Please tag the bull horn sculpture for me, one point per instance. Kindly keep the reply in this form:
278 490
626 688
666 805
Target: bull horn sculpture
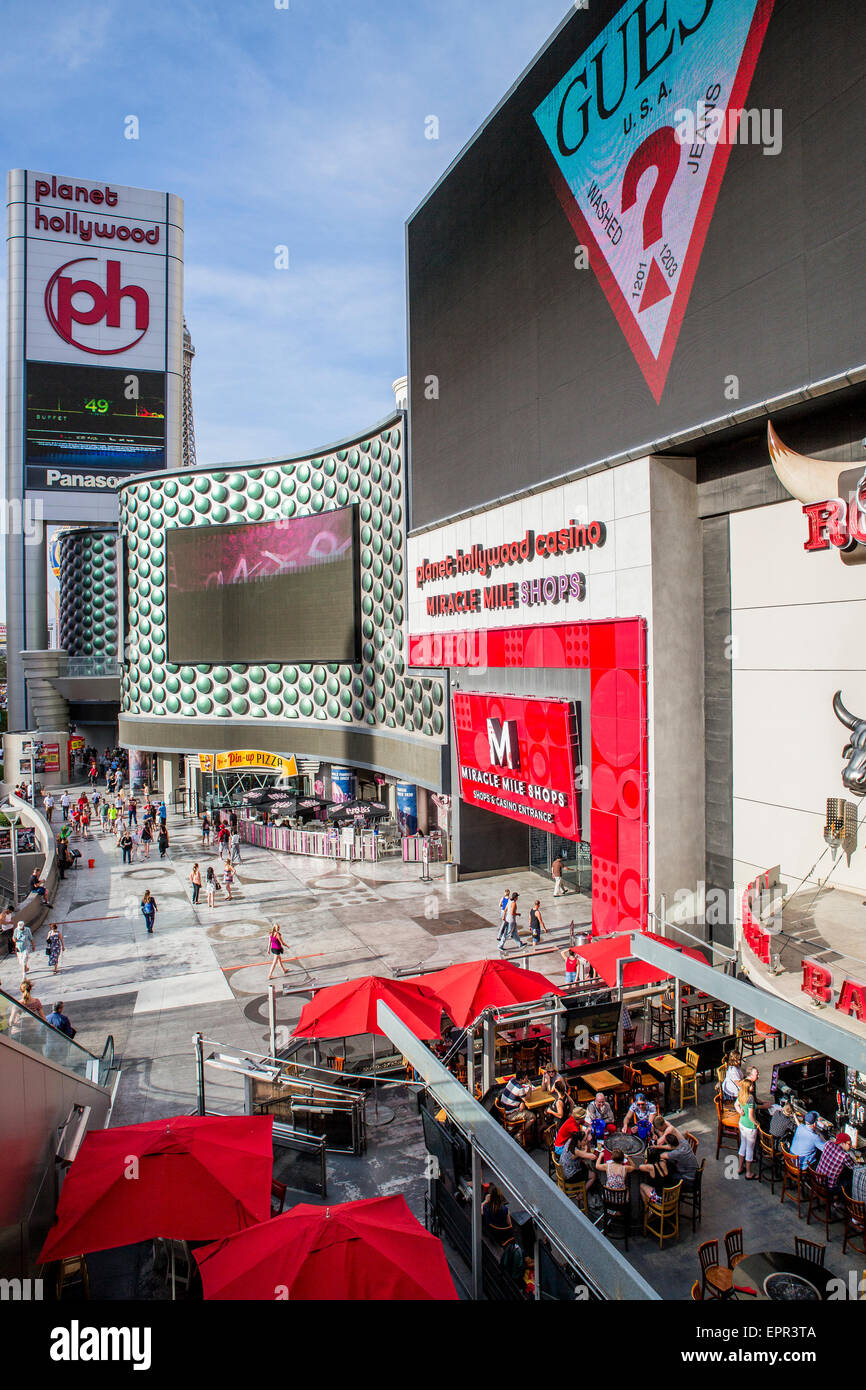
807 479
842 714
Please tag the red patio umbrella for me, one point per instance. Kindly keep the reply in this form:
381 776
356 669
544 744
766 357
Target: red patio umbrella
604 953
467 989
366 1251
349 1010
193 1177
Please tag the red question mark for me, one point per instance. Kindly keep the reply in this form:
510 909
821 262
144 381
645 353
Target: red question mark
660 151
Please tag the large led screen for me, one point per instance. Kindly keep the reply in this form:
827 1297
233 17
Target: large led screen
95 420
268 591
661 225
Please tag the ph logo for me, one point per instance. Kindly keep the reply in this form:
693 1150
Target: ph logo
502 741
105 304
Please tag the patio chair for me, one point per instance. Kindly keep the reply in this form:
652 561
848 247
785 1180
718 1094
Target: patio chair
855 1225
715 1277
662 1218
809 1250
616 1206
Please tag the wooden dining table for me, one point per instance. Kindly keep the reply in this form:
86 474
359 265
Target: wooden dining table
665 1066
601 1081
538 1098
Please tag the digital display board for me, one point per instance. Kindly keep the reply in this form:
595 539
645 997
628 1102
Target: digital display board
637 242
520 759
286 590
84 420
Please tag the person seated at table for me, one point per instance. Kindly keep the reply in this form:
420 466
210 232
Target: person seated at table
807 1142
639 1117
599 1114
680 1162
783 1123
514 1094
664 1137
559 1111
752 1078
616 1169
574 1125
733 1077
549 1077
495 1218
513 1100
836 1164
573 1160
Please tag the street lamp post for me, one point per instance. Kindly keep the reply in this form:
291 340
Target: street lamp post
12 817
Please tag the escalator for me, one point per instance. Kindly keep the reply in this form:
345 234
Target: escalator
52 1092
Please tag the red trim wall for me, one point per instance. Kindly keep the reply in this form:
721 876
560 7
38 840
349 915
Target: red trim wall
615 653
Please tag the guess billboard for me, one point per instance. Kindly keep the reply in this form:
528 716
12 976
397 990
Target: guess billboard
521 759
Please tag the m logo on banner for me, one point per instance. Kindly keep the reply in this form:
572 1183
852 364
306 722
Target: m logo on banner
502 739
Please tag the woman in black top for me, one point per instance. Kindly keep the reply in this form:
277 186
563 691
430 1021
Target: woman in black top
495 1217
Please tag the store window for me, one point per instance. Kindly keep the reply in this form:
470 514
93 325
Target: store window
576 859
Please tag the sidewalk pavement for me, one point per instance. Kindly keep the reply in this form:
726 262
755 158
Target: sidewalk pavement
205 969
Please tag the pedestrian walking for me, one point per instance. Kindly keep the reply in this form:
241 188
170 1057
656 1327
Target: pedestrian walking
146 838
195 880
54 946
511 916
65 803
126 846
162 840
536 923
205 830
228 880
222 840
236 848
503 911
149 910
556 870
57 1018
84 821
29 1000
49 808
163 813
132 808
212 883
23 939
276 947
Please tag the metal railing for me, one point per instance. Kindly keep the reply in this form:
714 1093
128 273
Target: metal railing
29 1030
91 666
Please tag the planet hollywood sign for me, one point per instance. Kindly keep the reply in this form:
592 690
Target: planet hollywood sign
528 593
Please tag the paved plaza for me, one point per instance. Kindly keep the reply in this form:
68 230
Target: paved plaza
205 969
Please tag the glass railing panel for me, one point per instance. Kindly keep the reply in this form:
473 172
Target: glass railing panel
30 1031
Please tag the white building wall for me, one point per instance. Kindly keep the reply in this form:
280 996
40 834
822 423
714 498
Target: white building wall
798 620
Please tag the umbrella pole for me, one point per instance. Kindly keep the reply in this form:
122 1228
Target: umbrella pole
172 1273
375 1080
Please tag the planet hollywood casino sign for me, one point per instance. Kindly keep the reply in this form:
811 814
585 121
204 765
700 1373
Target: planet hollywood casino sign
489 561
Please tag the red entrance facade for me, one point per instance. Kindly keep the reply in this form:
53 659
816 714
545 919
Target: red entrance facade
615 654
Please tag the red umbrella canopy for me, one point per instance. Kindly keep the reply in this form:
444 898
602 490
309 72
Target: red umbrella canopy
348 1010
366 1251
192 1177
467 989
603 955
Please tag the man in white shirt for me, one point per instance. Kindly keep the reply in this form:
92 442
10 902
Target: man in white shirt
65 803
49 808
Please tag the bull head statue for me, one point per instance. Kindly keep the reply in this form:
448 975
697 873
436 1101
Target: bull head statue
854 775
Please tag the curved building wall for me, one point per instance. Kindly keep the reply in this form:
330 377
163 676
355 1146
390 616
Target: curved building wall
87 563
375 714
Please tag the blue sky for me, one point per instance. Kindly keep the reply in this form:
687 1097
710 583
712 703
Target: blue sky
303 127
